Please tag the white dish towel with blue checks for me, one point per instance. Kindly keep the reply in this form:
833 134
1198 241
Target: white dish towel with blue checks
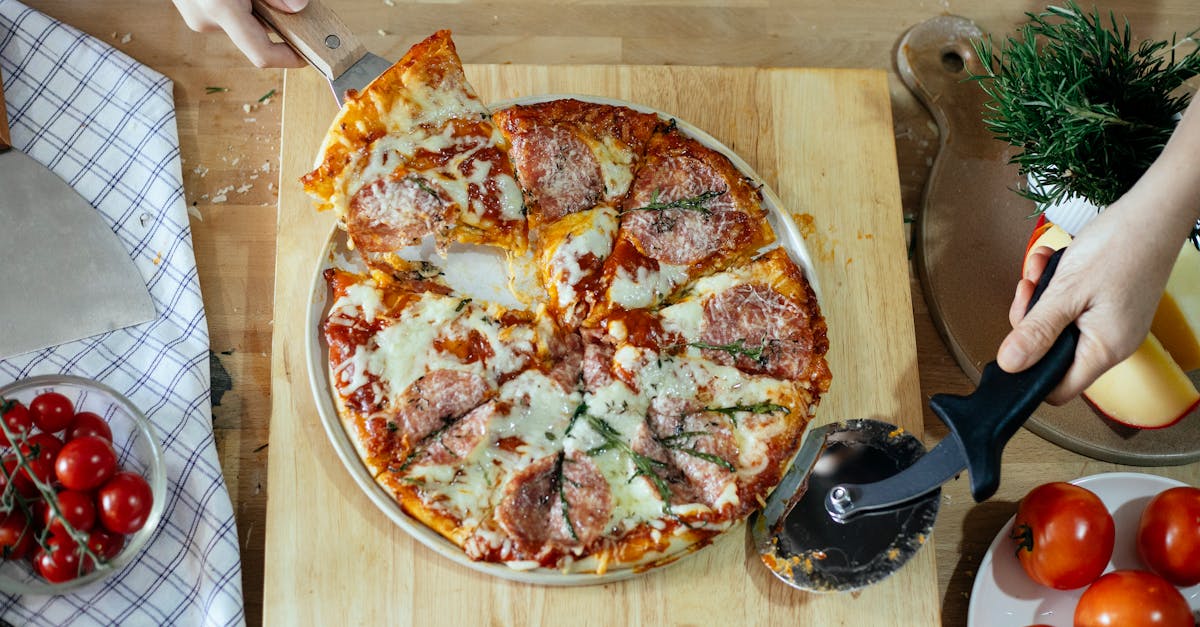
106 125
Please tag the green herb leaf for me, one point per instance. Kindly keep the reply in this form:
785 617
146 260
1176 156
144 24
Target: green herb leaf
643 466
733 348
462 303
562 495
691 203
266 96
1088 108
215 90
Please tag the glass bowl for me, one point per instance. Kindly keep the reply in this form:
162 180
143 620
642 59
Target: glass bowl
137 449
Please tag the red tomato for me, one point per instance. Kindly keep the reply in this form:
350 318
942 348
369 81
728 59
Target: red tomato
1064 535
1132 598
105 544
1168 536
87 423
20 481
85 463
16 418
16 535
60 560
44 448
125 502
51 411
77 509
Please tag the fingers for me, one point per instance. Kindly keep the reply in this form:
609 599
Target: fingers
1035 264
1036 331
291 6
250 36
247 33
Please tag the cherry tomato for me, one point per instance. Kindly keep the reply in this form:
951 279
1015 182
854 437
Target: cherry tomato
85 463
16 418
105 544
1168 536
125 502
51 411
16 535
77 509
14 477
87 423
1132 598
1064 535
60 561
44 448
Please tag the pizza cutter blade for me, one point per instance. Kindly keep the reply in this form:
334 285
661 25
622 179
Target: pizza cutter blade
861 497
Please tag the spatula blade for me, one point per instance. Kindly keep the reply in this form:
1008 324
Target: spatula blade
65 275
359 75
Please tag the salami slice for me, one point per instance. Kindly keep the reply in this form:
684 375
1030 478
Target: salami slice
390 213
702 447
566 360
457 441
558 500
436 399
761 319
680 212
558 170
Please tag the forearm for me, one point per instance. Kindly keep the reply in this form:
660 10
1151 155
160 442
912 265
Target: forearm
1168 194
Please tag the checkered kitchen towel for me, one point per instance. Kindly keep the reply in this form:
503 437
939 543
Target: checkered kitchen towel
106 125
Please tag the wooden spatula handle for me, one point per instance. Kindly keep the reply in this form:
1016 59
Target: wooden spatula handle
317 33
5 138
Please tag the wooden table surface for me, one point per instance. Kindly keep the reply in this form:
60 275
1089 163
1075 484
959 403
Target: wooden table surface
230 147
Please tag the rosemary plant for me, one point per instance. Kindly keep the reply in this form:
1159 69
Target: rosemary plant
1089 109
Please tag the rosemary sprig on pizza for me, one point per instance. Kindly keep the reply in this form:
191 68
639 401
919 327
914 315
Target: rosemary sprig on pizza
645 407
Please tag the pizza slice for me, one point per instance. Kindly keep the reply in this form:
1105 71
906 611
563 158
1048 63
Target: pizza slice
702 440
415 155
572 155
689 212
408 359
575 161
761 317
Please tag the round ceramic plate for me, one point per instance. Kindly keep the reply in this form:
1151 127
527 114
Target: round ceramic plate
1004 596
483 273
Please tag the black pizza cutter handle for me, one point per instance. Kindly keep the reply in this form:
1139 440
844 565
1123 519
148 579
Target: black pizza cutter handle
984 420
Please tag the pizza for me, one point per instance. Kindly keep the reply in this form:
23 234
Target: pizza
646 400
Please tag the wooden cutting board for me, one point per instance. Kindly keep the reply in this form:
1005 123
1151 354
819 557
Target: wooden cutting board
823 140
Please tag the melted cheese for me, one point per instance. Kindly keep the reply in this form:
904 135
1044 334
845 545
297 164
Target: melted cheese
390 356
616 165
648 288
472 487
592 236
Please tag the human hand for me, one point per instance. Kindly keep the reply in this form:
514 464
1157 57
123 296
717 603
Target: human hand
236 19
1112 276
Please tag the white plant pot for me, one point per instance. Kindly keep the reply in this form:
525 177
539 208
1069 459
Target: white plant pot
1071 214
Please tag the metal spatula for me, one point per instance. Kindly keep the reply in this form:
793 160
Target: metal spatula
324 40
860 498
63 273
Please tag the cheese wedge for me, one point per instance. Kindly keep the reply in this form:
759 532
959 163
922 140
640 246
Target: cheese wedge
1048 234
1147 391
1177 320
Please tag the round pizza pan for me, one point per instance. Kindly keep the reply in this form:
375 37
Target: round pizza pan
483 272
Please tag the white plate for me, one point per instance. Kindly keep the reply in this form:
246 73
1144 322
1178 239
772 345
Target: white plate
1004 596
482 273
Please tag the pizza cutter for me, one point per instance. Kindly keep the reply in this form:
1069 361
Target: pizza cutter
861 497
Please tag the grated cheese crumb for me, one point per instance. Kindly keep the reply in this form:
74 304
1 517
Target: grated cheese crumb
126 38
